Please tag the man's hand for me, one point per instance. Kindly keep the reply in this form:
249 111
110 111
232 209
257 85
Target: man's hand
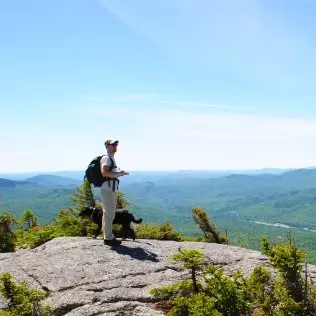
122 173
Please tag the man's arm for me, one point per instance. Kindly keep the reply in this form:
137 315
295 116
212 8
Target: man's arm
106 173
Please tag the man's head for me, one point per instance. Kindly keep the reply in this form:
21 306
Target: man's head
111 146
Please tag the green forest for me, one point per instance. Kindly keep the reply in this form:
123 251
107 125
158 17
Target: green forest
243 206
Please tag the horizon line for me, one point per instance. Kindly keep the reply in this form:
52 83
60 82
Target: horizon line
164 170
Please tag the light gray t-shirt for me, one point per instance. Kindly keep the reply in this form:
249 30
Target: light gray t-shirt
108 185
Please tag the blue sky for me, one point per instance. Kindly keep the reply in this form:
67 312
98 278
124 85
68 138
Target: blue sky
182 84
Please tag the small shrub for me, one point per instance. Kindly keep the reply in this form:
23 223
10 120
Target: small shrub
209 292
35 236
22 301
294 295
7 242
195 305
260 290
70 224
151 231
214 294
230 296
7 236
288 260
178 289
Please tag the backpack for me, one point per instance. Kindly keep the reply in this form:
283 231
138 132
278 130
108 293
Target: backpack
93 172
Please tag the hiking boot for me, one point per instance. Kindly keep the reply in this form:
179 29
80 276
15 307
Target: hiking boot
113 242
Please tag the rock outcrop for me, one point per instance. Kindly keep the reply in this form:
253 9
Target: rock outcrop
85 278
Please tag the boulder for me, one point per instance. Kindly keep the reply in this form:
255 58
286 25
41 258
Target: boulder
84 278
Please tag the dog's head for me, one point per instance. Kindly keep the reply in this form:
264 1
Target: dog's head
87 211
121 210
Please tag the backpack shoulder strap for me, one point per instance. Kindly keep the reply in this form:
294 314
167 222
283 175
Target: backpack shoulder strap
112 163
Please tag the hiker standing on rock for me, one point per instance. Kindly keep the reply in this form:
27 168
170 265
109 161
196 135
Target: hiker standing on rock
109 190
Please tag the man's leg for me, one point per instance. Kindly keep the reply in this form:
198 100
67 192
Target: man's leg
109 207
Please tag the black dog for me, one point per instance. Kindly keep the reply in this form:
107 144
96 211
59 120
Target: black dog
122 217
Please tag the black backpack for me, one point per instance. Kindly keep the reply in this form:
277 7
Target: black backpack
93 172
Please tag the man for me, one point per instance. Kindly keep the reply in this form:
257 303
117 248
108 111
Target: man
109 190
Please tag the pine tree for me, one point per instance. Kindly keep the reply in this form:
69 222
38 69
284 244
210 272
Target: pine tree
211 233
288 260
121 201
82 197
192 259
7 237
29 219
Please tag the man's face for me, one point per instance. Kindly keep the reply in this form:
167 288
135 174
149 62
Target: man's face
113 148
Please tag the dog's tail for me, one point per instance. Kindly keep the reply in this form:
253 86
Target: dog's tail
137 221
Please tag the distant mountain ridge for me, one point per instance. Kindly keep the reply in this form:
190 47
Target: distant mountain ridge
79 174
6 183
51 180
292 179
236 202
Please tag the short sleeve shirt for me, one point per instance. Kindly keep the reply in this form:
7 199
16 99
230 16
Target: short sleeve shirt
108 185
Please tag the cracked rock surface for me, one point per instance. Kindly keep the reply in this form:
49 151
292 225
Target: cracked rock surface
85 278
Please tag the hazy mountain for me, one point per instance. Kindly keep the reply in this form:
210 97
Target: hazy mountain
53 180
6 183
287 197
246 205
78 175
149 175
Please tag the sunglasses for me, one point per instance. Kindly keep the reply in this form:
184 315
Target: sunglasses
114 145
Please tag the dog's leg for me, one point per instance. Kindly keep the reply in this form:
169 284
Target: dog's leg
132 233
124 231
98 231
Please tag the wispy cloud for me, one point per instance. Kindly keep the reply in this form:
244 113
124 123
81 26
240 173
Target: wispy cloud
222 141
219 137
194 122
125 102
